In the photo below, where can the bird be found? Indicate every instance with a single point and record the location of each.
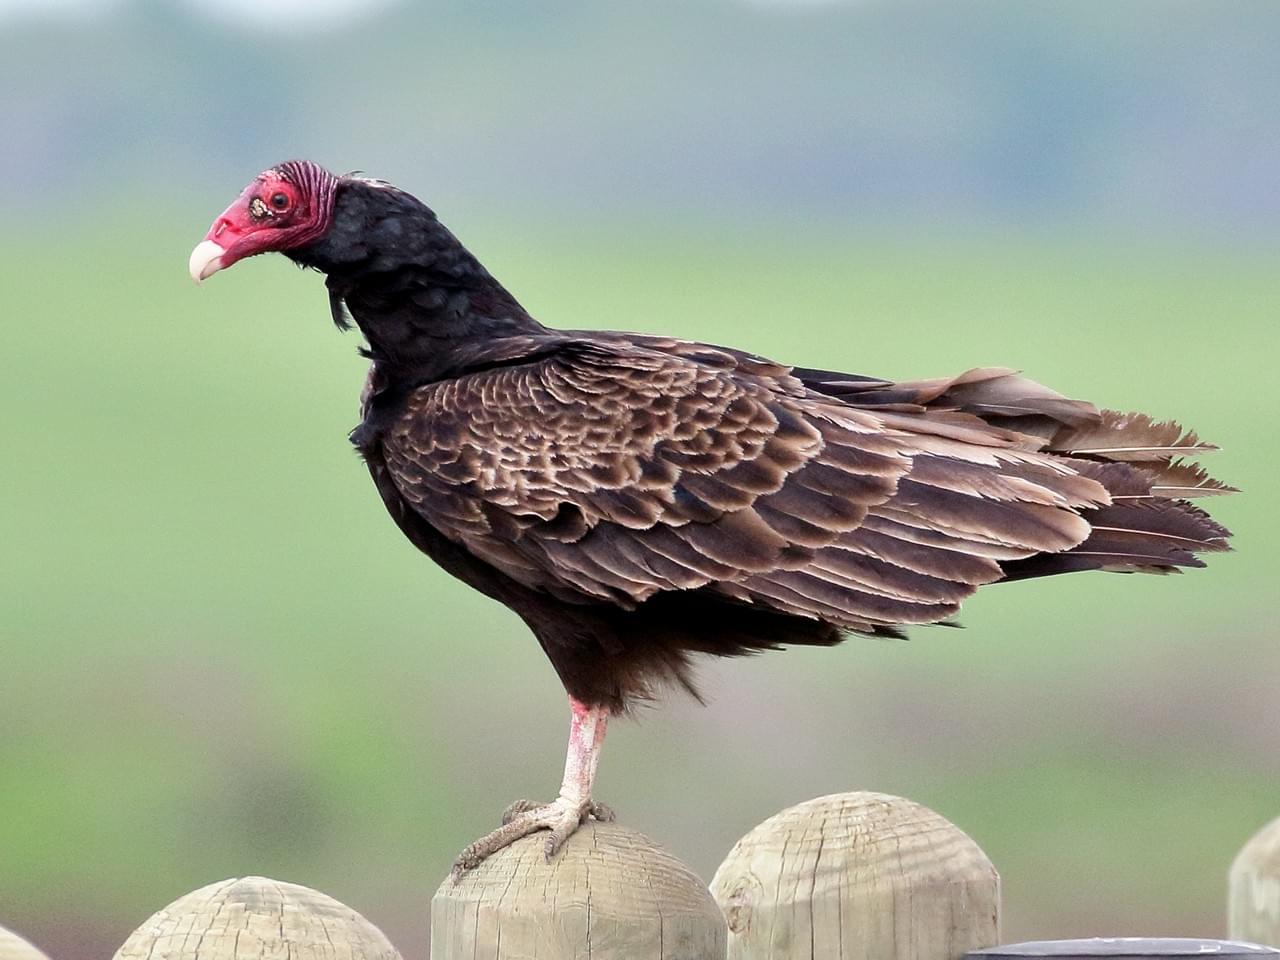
(639, 499)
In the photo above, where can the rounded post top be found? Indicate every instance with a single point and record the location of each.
(609, 888)
(866, 876)
(620, 868)
(1262, 852)
(255, 918)
(897, 842)
(14, 947)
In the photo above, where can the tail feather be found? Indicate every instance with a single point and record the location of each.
(1015, 480)
(1149, 526)
(1128, 437)
(1145, 464)
(1182, 479)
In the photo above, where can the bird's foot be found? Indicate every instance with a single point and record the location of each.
(562, 816)
(596, 811)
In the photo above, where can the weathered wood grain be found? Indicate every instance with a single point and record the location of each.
(14, 947)
(858, 876)
(609, 894)
(1253, 911)
(260, 919)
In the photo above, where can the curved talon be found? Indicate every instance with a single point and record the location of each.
(520, 806)
(602, 812)
(555, 840)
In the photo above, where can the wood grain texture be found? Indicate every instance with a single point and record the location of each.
(14, 947)
(610, 893)
(858, 876)
(1253, 911)
(256, 918)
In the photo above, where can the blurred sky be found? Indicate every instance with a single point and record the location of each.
(324, 13)
(306, 14)
(318, 14)
(219, 657)
(1147, 116)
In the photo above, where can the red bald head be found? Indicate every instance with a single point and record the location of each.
(285, 207)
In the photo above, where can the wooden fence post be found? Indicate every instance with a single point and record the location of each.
(13, 947)
(256, 919)
(1253, 911)
(609, 894)
(858, 876)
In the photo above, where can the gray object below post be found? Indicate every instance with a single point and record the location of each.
(1127, 948)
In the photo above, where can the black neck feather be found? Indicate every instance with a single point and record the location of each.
(415, 291)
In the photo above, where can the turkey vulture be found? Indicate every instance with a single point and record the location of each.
(636, 499)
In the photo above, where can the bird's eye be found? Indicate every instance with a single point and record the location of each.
(280, 201)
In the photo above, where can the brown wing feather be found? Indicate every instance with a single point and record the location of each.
(614, 470)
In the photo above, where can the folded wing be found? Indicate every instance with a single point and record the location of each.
(611, 470)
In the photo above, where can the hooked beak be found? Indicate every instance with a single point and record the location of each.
(206, 260)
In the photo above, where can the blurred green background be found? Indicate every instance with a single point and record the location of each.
(219, 656)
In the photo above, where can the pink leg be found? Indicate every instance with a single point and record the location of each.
(586, 739)
(568, 811)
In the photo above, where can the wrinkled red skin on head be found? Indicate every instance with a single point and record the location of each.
(257, 223)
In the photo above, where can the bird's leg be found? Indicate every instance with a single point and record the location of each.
(563, 815)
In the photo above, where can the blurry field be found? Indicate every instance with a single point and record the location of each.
(220, 657)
